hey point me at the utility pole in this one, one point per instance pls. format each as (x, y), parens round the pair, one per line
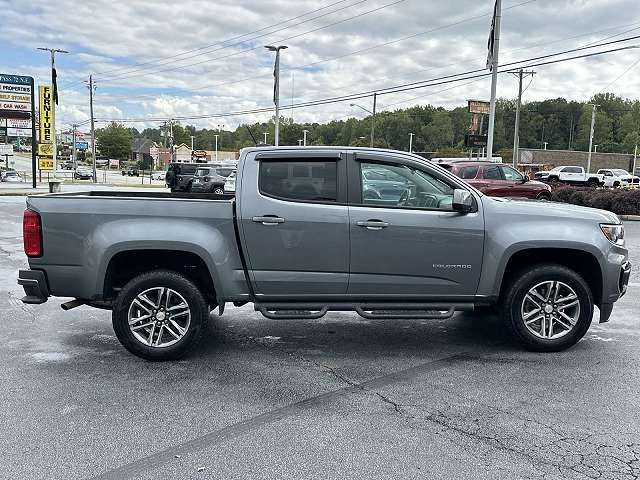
(373, 118)
(173, 159)
(73, 147)
(411, 142)
(92, 87)
(192, 137)
(216, 135)
(304, 137)
(593, 122)
(276, 87)
(494, 78)
(516, 134)
(54, 86)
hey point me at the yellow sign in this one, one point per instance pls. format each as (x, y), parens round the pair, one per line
(45, 149)
(46, 114)
(45, 163)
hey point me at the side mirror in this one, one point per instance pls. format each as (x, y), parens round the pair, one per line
(526, 179)
(462, 201)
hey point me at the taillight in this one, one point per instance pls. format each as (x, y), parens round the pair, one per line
(32, 233)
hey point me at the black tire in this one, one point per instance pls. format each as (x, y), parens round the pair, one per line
(218, 190)
(544, 196)
(593, 182)
(616, 184)
(521, 283)
(554, 179)
(160, 278)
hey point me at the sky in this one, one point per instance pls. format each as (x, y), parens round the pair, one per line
(160, 59)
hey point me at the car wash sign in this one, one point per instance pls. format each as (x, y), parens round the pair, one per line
(16, 95)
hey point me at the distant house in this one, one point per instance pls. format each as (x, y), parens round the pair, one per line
(140, 149)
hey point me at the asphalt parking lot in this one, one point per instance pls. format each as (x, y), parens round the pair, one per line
(340, 397)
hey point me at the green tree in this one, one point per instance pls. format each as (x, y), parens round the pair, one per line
(114, 141)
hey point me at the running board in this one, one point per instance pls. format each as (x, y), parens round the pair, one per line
(370, 310)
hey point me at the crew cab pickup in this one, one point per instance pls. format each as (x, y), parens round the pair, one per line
(571, 175)
(617, 177)
(309, 230)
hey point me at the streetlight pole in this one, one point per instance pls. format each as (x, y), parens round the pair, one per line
(372, 113)
(276, 87)
(192, 137)
(411, 142)
(92, 87)
(304, 137)
(546, 143)
(265, 137)
(595, 148)
(516, 134)
(494, 77)
(635, 156)
(73, 147)
(593, 122)
(54, 86)
(216, 137)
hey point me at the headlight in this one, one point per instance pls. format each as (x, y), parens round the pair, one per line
(614, 233)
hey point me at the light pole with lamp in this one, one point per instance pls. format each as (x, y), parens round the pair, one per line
(276, 87)
(304, 137)
(372, 113)
(411, 142)
(265, 137)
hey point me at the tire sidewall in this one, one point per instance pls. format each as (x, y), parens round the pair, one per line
(527, 281)
(160, 278)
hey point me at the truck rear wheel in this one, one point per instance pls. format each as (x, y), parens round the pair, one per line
(548, 308)
(160, 315)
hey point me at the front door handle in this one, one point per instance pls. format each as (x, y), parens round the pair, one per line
(268, 220)
(373, 224)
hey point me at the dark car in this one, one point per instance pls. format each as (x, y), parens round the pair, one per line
(130, 172)
(179, 176)
(499, 180)
(210, 179)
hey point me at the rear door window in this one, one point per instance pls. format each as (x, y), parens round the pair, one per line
(299, 180)
(492, 173)
(468, 172)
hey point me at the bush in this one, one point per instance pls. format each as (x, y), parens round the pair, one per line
(618, 201)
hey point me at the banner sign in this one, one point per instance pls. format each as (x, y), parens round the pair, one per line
(45, 149)
(45, 163)
(46, 114)
(19, 132)
(16, 123)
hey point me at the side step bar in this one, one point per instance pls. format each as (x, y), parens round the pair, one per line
(369, 310)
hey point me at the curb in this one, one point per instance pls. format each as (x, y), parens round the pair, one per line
(629, 218)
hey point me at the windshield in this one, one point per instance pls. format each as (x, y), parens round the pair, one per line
(201, 172)
(555, 169)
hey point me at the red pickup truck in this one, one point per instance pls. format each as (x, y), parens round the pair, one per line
(499, 180)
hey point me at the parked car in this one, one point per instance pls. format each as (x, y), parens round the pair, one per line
(230, 183)
(67, 165)
(179, 176)
(617, 177)
(159, 175)
(131, 172)
(11, 176)
(499, 180)
(83, 173)
(208, 180)
(299, 239)
(572, 175)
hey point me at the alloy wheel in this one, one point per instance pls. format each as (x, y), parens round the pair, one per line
(550, 309)
(159, 317)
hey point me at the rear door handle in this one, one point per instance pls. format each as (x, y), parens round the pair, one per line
(373, 224)
(268, 220)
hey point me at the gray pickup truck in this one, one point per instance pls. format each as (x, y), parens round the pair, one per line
(315, 229)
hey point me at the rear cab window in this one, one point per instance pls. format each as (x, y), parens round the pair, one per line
(310, 180)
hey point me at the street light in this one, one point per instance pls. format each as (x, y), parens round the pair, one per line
(304, 137)
(595, 148)
(372, 113)
(411, 142)
(265, 137)
(216, 135)
(276, 86)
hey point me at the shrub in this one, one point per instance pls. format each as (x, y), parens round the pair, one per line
(618, 201)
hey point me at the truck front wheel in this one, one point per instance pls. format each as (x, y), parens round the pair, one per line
(548, 308)
(160, 315)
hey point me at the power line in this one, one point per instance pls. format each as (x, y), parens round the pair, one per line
(384, 91)
(621, 75)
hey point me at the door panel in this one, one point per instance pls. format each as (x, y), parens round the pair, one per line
(296, 247)
(418, 248)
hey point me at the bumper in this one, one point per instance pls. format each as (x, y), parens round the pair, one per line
(34, 283)
(623, 281)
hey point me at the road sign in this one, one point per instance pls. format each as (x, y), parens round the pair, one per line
(479, 107)
(82, 145)
(45, 150)
(475, 141)
(45, 163)
(6, 149)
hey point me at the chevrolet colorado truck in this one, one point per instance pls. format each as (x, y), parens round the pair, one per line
(300, 238)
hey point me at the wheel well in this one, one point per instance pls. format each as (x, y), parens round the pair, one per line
(129, 264)
(583, 263)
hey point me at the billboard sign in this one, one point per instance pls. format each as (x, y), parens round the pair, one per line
(46, 114)
(475, 141)
(19, 132)
(479, 107)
